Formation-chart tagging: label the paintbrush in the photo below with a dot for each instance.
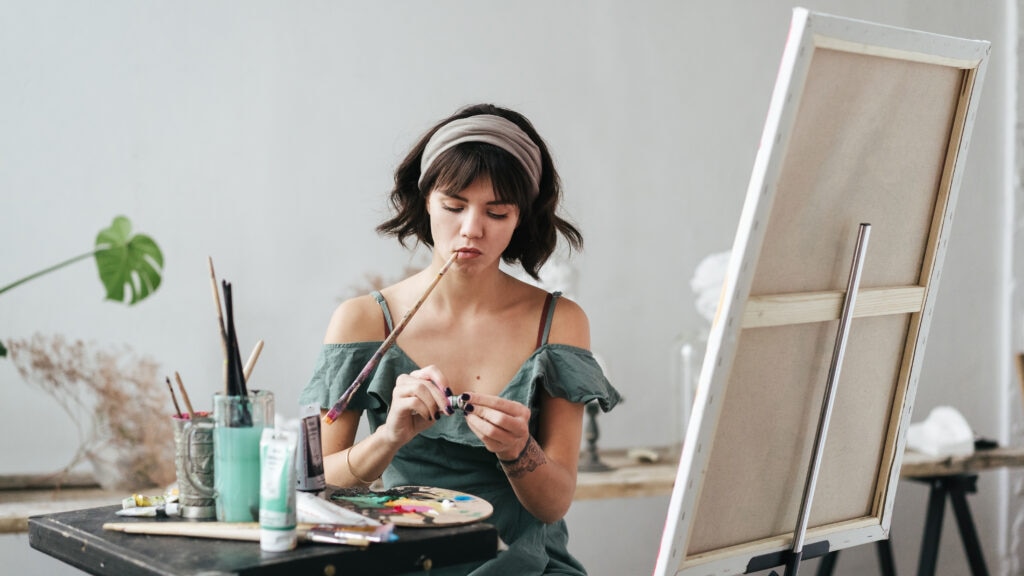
(220, 320)
(177, 409)
(235, 376)
(184, 396)
(253, 357)
(234, 384)
(342, 402)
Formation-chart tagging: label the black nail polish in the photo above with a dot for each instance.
(437, 415)
(447, 391)
(465, 396)
(449, 410)
(468, 408)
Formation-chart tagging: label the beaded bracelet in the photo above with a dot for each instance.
(348, 460)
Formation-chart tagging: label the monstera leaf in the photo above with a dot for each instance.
(125, 263)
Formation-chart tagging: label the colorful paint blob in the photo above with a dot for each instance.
(417, 506)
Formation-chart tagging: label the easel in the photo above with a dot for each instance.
(792, 558)
(849, 95)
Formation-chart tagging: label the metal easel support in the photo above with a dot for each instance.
(795, 556)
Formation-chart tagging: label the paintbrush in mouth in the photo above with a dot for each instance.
(342, 402)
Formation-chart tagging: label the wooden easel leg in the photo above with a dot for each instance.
(932, 528)
(959, 486)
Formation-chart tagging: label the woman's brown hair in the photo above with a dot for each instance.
(536, 237)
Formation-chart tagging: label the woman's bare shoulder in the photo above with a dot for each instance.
(358, 319)
(570, 324)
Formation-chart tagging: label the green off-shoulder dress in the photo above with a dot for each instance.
(449, 455)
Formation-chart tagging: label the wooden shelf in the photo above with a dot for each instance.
(629, 478)
(17, 505)
(916, 465)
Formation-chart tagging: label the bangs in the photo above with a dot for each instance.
(458, 167)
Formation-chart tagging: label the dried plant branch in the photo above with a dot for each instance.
(128, 429)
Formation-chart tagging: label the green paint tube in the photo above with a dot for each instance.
(277, 490)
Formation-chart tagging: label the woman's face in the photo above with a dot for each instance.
(472, 221)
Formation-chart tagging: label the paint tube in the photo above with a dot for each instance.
(277, 490)
(313, 509)
(309, 473)
(140, 506)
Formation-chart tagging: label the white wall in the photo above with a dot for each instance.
(263, 134)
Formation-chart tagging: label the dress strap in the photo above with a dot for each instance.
(387, 312)
(545, 319)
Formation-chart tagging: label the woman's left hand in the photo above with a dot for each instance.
(502, 425)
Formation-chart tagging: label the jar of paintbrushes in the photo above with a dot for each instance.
(238, 423)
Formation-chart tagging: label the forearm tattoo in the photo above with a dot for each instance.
(531, 458)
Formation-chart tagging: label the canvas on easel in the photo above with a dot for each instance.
(867, 124)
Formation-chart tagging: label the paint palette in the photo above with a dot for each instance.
(415, 506)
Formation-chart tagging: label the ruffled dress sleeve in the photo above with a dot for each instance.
(336, 368)
(567, 372)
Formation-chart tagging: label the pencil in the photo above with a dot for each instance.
(342, 402)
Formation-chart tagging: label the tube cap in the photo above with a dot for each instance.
(277, 540)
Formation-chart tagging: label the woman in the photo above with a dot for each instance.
(485, 388)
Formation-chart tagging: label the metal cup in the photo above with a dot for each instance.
(193, 460)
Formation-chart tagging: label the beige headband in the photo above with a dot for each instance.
(489, 129)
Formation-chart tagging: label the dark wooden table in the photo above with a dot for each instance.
(78, 538)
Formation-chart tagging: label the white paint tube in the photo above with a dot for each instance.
(309, 473)
(277, 490)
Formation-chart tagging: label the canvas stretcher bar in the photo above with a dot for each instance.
(780, 309)
(867, 123)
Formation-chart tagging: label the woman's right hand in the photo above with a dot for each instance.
(417, 401)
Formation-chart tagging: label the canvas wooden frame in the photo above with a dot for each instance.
(867, 123)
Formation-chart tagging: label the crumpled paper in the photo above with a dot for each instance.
(944, 432)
